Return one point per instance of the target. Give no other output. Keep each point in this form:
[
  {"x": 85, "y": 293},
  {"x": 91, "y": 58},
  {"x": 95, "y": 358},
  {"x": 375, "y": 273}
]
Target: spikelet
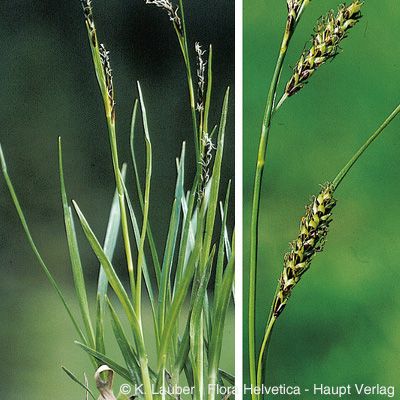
[
  {"x": 205, "y": 163},
  {"x": 201, "y": 80},
  {"x": 329, "y": 32},
  {"x": 313, "y": 230},
  {"x": 88, "y": 13},
  {"x": 171, "y": 11},
  {"x": 294, "y": 8},
  {"x": 105, "y": 61}
]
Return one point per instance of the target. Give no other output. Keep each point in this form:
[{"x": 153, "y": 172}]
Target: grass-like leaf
[
  {"x": 146, "y": 273},
  {"x": 127, "y": 350},
  {"x": 222, "y": 302},
  {"x": 119, "y": 369},
  {"x": 33, "y": 245},
  {"x": 146, "y": 205},
  {"x": 171, "y": 243},
  {"x": 123, "y": 298},
  {"x": 196, "y": 329},
  {"x": 110, "y": 242},
  {"x": 77, "y": 271},
  {"x": 72, "y": 376},
  {"x": 221, "y": 247},
  {"x": 215, "y": 182},
  {"x": 153, "y": 249}
]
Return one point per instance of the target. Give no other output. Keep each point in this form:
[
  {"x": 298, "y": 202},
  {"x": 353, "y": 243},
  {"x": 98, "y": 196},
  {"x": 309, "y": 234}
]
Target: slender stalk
[
  {"x": 291, "y": 23},
  {"x": 340, "y": 176},
  {"x": 256, "y": 204},
  {"x": 104, "y": 77},
  {"x": 182, "y": 37},
  {"x": 357, "y": 155},
  {"x": 264, "y": 347}
]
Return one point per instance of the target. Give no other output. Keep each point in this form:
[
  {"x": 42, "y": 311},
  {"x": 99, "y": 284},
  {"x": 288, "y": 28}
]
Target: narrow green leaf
[
  {"x": 123, "y": 298},
  {"x": 215, "y": 182},
  {"x": 221, "y": 247},
  {"x": 33, "y": 245},
  {"x": 126, "y": 349},
  {"x": 171, "y": 242},
  {"x": 179, "y": 297},
  {"x": 143, "y": 234},
  {"x": 100, "y": 314},
  {"x": 227, "y": 377},
  {"x": 188, "y": 234},
  {"x": 219, "y": 316},
  {"x": 110, "y": 241},
  {"x": 112, "y": 278},
  {"x": 76, "y": 264},
  {"x": 76, "y": 380},
  {"x": 119, "y": 369},
  {"x": 197, "y": 328},
  {"x": 153, "y": 249},
  {"x": 146, "y": 273}
]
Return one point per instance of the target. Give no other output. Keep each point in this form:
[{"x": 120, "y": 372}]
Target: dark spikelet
[
  {"x": 313, "y": 230},
  {"x": 329, "y": 32},
  {"x": 294, "y": 7},
  {"x": 105, "y": 61},
  {"x": 88, "y": 13}
]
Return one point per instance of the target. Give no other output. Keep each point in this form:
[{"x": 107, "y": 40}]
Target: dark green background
[
  {"x": 341, "y": 325},
  {"x": 48, "y": 88}
]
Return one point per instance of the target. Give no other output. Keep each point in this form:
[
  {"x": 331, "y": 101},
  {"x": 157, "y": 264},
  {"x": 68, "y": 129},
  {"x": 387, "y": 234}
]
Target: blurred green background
[
  {"x": 341, "y": 325},
  {"x": 48, "y": 88}
]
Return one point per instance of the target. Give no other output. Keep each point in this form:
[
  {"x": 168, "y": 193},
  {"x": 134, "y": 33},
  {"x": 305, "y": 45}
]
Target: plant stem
[
  {"x": 265, "y": 342},
  {"x": 266, "y": 124},
  {"x": 256, "y": 204},
  {"x": 357, "y": 155},
  {"x": 182, "y": 37}
]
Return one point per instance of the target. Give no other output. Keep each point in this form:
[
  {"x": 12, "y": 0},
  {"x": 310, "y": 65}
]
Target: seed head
[
  {"x": 205, "y": 162},
  {"x": 201, "y": 80},
  {"x": 294, "y": 7},
  {"x": 313, "y": 230},
  {"x": 87, "y": 10},
  {"x": 105, "y": 61},
  {"x": 89, "y": 20},
  {"x": 171, "y": 11},
  {"x": 329, "y": 32}
]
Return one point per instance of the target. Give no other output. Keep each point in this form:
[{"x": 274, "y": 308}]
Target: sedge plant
[
  {"x": 329, "y": 32},
  {"x": 191, "y": 280}
]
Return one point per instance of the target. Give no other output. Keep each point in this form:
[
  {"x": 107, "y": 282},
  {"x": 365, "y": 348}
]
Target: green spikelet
[
  {"x": 329, "y": 32},
  {"x": 313, "y": 230}
]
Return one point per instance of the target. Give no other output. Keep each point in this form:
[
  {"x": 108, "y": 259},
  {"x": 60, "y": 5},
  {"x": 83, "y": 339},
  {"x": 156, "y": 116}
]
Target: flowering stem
[
  {"x": 264, "y": 347},
  {"x": 182, "y": 37},
  {"x": 256, "y": 205},
  {"x": 292, "y": 21}
]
